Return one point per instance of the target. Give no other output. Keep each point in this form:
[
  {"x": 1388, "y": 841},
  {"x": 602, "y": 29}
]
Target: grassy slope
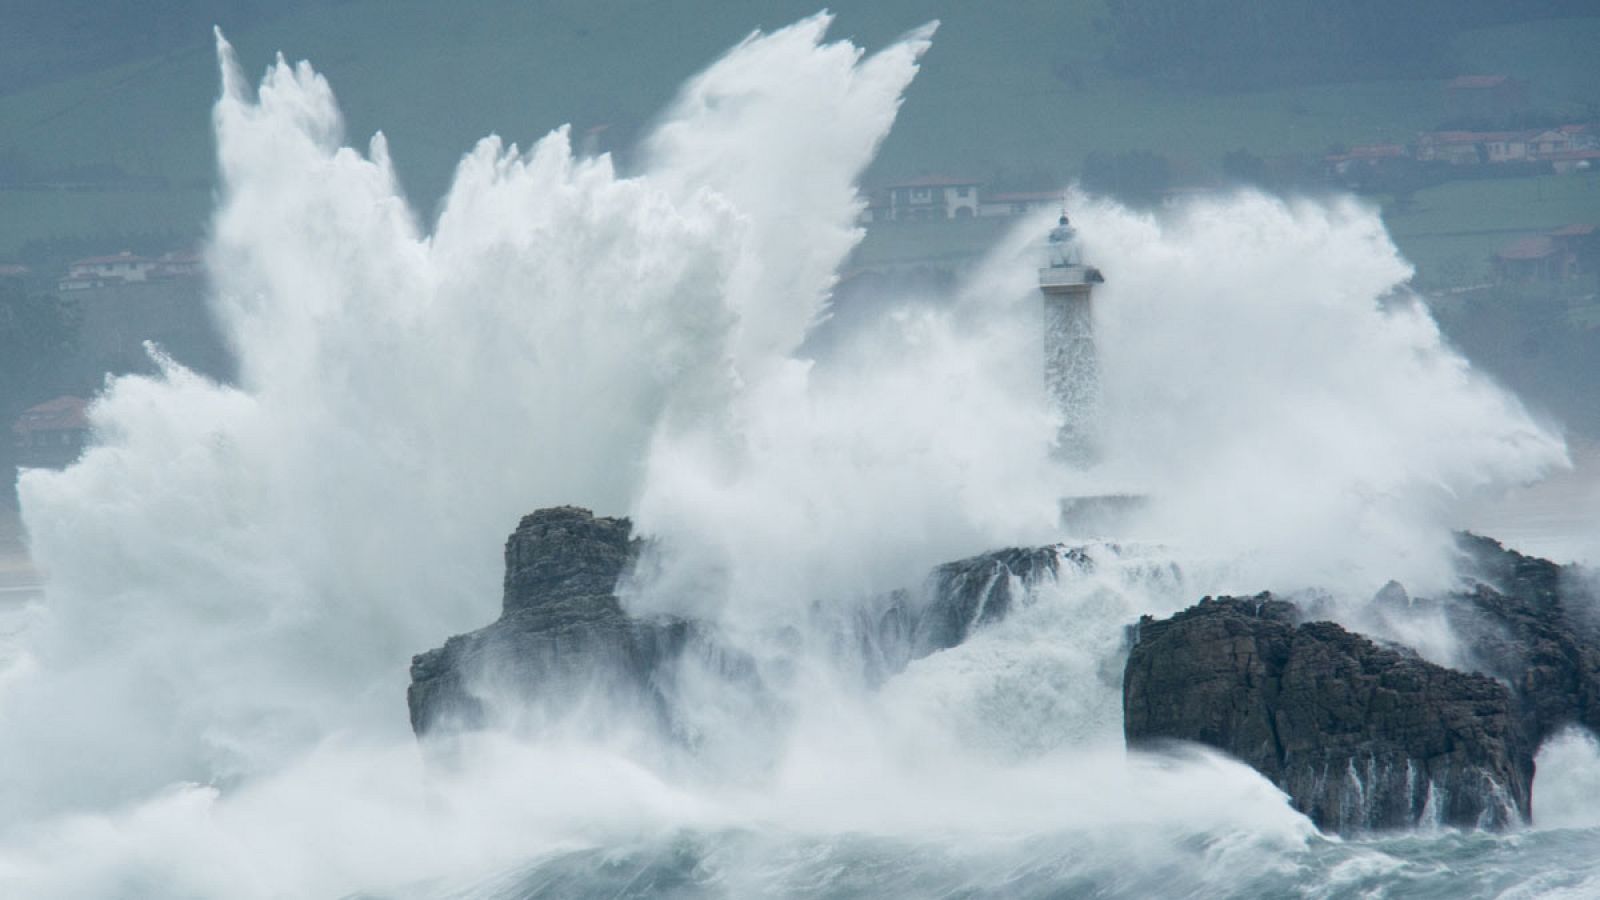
[
  {"x": 1451, "y": 230},
  {"x": 437, "y": 76}
]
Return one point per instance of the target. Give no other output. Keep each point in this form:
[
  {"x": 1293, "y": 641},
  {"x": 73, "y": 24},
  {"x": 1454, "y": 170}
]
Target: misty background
[{"x": 106, "y": 147}]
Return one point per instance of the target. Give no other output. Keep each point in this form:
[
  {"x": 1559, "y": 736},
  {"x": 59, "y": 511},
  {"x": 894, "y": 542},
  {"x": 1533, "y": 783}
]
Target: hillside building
[
  {"x": 928, "y": 199},
  {"x": 128, "y": 268},
  {"x": 52, "y": 434},
  {"x": 1562, "y": 255}
]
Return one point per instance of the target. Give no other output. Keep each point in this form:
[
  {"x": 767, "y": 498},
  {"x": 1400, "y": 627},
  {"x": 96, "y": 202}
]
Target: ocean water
[
  {"x": 208, "y": 699},
  {"x": 1548, "y": 864}
]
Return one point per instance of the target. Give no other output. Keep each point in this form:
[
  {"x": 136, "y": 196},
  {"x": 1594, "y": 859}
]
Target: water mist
[{"x": 210, "y": 701}]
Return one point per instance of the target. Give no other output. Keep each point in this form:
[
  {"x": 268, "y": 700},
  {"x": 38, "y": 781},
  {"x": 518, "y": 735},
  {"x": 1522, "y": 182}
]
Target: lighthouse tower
[{"x": 1071, "y": 367}]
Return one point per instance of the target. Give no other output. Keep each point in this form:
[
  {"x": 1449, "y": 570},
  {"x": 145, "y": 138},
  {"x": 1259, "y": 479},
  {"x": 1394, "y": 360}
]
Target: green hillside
[
  {"x": 1019, "y": 91},
  {"x": 1450, "y": 231}
]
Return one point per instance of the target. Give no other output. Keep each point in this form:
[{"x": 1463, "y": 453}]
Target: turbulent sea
[
  {"x": 1537, "y": 865},
  {"x": 209, "y": 698}
]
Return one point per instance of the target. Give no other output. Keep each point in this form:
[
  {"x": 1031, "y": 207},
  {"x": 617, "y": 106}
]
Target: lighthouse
[{"x": 1071, "y": 366}]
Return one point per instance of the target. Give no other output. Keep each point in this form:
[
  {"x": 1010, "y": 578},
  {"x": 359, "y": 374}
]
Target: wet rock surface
[
  {"x": 957, "y": 599},
  {"x": 981, "y": 590},
  {"x": 1364, "y": 736},
  {"x": 1360, "y": 736},
  {"x": 561, "y": 629},
  {"x": 1536, "y": 626},
  {"x": 563, "y": 634}
]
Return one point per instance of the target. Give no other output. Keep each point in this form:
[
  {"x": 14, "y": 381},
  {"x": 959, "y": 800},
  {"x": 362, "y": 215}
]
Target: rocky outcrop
[
  {"x": 1358, "y": 735},
  {"x": 563, "y": 634},
  {"x": 561, "y": 630},
  {"x": 1536, "y": 626},
  {"x": 967, "y": 594},
  {"x": 1363, "y": 736},
  {"x": 956, "y": 600}
]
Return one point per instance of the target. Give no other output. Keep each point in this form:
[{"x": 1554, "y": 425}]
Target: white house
[
  {"x": 125, "y": 267},
  {"x": 923, "y": 199},
  {"x": 1506, "y": 147},
  {"x": 1552, "y": 141},
  {"x": 97, "y": 270}
]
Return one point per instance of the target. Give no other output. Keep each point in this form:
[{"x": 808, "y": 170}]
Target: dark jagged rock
[
  {"x": 957, "y": 599},
  {"x": 566, "y": 556},
  {"x": 1533, "y": 624},
  {"x": 1232, "y": 673},
  {"x": 980, "y": 590},
  {"x": 561, "y": 629},
  {"x": 563, "y": 632},
  {"x": 1359, "y": 736}
]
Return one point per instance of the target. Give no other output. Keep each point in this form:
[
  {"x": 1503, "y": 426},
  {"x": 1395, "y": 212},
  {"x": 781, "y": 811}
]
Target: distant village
[
  {"x": 122, "y": 299},
  {"x": 116, "y": 302},
  {"x": 126, "y": 268},
  {"x": 1447, "y": 154},
  {"x": 1431, "y": 158},
  {"x": 1563, "y": 149},
  {"x": 118, "y": 270}
]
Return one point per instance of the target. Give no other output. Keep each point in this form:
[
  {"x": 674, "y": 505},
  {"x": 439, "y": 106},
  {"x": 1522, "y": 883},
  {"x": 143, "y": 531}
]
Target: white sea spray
[{"x": 212, "y": 703}]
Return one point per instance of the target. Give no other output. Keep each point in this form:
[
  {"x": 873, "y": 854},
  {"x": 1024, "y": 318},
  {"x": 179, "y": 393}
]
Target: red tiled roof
[
  {"x": 60, "y": 414},
  {"x": 1537, "y": 247},
  {"x": 1024, "y": 197},
  {"x": 1564, "y": 155},
  {"x": 935, "y": 181}
]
